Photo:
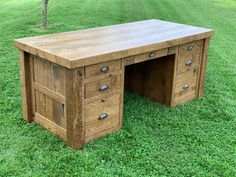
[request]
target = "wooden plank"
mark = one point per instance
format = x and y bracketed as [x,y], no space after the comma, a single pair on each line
[60,98]
[58,79]
[40,74]
[48,124]
[122,89]
[40,103]
[25,71]
[172,93]
[86,47]
[58,111]
[203,68]
[48,75]
[48,108]
[32,74]
[74,107]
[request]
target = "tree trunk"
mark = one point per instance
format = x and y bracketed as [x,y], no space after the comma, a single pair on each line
[44,13]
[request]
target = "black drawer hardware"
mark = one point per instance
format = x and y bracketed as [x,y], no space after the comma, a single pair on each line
[190,48]
[104,69]
[151,55]
[186,86]
[189,63]
[103,116]
[103,87]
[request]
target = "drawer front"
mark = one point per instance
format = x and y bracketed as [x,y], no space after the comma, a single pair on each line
[191,47]
[102,86]
[101,115]
[188,61]
[146,56]
[102,68]
[189,56]
[185,87]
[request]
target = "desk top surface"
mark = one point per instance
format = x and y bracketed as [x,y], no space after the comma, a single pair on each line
[90,46]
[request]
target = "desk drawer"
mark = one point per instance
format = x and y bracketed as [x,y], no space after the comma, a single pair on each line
[146,56]
[188,61]
[185,87]
[189,56]
[102,68]
[191,47]
[102,86]
[101,116]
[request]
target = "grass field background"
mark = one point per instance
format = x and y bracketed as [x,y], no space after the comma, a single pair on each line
[194,139]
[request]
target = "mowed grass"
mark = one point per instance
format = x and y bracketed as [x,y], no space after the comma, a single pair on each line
[194,139]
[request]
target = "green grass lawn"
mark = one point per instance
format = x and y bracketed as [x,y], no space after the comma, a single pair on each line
[194,139]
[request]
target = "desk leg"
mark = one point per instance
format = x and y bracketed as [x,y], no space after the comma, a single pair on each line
[122,83]
[203,66]
[25,76]
[173,80]
[74,108]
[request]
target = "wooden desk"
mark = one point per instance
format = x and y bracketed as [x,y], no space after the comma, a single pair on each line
[73,83]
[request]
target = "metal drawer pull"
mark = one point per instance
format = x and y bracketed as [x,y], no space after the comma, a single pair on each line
[103,116]
[151,55]
[104,69]
[104,87]
[189,63]
[190,48]
[186,86]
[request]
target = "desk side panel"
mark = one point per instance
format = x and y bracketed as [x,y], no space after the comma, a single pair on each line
[48,95]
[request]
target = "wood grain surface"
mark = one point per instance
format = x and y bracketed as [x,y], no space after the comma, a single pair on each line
[86,47]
